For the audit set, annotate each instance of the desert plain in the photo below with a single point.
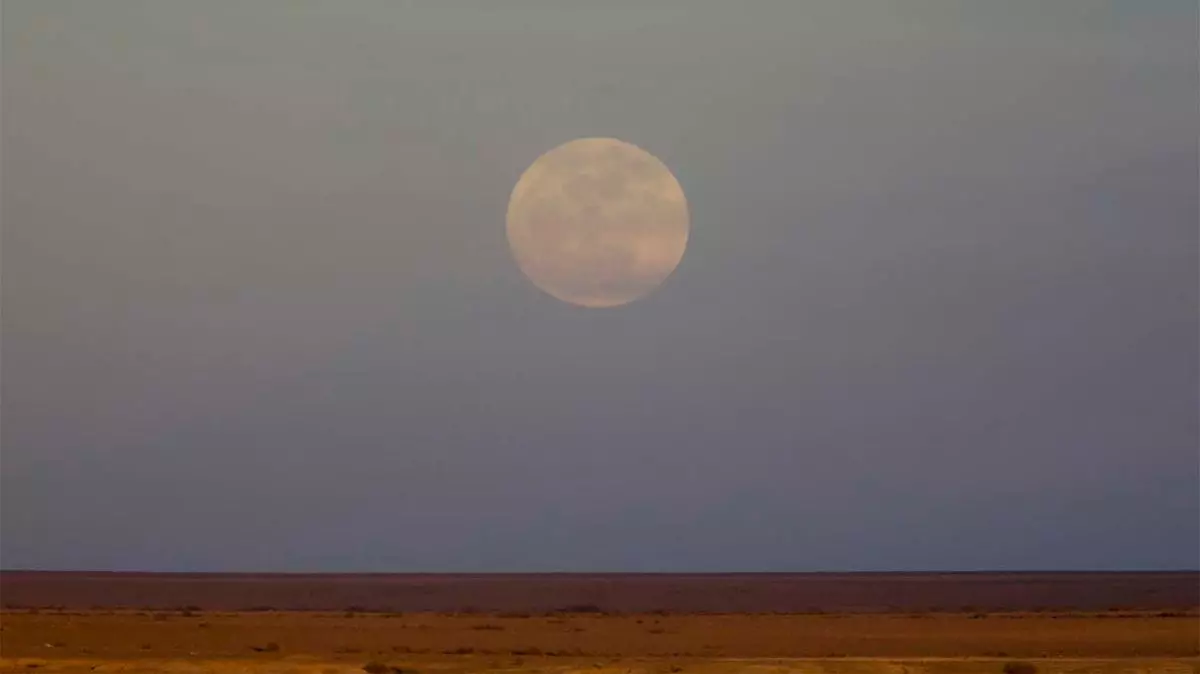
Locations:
(704, 623)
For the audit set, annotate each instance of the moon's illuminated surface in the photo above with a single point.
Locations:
(597, 222)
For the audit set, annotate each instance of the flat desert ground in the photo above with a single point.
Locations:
(766, 623)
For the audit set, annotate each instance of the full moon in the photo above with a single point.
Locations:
(597, 222)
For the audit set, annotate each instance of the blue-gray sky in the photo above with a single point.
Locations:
(938, 308)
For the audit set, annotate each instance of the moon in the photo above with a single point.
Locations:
(597, 222)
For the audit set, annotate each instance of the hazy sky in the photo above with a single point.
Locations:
(938, 308)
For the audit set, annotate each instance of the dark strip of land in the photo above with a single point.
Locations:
(610, 593)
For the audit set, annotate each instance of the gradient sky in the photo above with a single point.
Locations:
(938, 308)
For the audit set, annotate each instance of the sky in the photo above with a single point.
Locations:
(938, 308)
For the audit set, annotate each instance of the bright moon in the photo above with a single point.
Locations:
(597, 222)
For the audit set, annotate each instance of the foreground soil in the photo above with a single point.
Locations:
(136, 641)
(706, 624)
(619, 666)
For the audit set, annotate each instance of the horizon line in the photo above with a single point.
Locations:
(825, 572)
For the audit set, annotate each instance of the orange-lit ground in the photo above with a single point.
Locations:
(1163, 635)
(154, 641)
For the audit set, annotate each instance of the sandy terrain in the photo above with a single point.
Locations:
(277, 641)
(621, 666)
(1162, 634)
